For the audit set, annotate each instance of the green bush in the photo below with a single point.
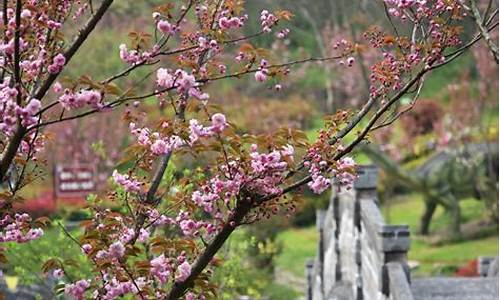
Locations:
(25, 261)
(239, 275)
(306, 215)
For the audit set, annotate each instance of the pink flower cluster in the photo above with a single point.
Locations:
(268, 169)
(268, 20)
(115, 288)
(191, 227)
(180, 80)
(10, 111)
(129, 233)
(422, 8)
(57, 64)
(164, 146)
(18, 229)
(436, 32)
(318, 167)
(157, 219)
(227, 22)
(34, 27)
(183, 271)
(155, 142)
(27, 114)
(165, 27)
(77, 289)
(283, 33)
(205, 44)
(115, 250)
(70, 100)
(32, 67)
(198, 131)
(134, 57)
(161, 268)
(261, 74)
(264, 178)
(127, 182)
(80, 10)
(86, 248)
(319, 183)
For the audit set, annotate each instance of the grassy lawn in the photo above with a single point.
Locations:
(300, 243)
(407, 210)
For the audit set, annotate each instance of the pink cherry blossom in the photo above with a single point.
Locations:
(183, 272)
(219, 122)
(261, 75)
(165, 27)
(116, 249)
(58, 273)
(161, 269)
(77, 289)
(130, 184)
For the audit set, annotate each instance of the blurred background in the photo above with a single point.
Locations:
(457, 110)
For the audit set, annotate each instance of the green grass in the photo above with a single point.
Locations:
(431, 258)
(407, 210)
(299, 244)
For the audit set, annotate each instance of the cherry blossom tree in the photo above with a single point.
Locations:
(163, 243)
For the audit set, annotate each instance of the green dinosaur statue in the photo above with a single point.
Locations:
(446, 177)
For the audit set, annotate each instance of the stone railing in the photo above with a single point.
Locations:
(359, 256)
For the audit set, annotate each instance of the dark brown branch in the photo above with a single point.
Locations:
(121, 100)
(287, 64)
(344, 131)
(208, 254)
(16, 139)
(388, 121)
(128, 70)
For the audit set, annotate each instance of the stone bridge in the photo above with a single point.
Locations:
(361, 257)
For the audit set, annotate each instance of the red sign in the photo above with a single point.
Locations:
(74, 180)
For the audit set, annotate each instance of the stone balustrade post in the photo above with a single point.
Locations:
(320, 224)
(366, 188)
(483, 265)
(395, 241)
(309, 277)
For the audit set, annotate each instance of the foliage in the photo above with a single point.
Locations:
(271, 114)
(299, 244)
(266, 246)
(307, 206)
(239, 276)
(26, 260)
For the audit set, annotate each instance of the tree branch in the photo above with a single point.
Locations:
(179, 288)
(483, 31)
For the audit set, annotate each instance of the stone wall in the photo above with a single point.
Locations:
(359, 256)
